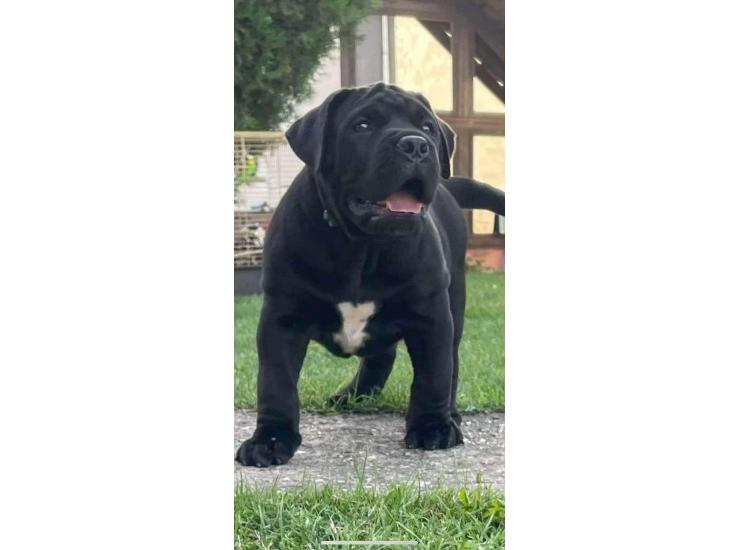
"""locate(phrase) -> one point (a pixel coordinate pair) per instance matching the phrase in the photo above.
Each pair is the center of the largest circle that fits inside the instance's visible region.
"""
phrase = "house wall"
(287, 164)
(326, 80)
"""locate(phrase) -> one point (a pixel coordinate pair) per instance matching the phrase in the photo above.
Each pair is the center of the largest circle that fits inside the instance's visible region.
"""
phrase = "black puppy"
(366, 248)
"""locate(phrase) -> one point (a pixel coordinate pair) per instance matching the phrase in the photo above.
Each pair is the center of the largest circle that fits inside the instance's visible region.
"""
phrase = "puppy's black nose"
(415, 148)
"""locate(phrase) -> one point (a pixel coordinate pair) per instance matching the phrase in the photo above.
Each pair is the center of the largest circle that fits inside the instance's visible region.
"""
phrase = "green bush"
(278, 45)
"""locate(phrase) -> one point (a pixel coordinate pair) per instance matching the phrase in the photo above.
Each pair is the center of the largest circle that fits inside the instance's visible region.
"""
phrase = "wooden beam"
(489, 58)
(463, 156)
(489, 72)
(258, 135)
(421, 9)
(490, 30)
(437, 30)
(481, 123)
(462, 66)
(486, 241)
(491, 82)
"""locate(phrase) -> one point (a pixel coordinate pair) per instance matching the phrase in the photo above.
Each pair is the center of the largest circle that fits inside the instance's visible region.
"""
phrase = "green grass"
(481, 385)
(439, 518)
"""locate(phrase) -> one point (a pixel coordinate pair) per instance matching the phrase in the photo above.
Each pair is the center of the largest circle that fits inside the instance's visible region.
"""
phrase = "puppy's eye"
(426, 127)
(362, 125)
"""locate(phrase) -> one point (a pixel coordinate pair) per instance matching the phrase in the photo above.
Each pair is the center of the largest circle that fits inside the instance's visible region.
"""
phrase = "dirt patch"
(343, 448)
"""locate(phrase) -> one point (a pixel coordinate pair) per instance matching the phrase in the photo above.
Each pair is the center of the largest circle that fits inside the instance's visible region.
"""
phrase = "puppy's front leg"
(428, 421)
(281, 346)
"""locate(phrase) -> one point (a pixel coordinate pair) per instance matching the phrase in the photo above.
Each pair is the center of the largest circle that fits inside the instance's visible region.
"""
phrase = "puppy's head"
(377, 154)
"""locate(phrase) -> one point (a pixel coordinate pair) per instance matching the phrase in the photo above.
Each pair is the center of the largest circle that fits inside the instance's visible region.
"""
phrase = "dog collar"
(329, 219)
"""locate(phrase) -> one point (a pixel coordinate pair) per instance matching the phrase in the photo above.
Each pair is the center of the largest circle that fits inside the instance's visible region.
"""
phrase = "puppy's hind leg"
(457, 306)
(369, 379)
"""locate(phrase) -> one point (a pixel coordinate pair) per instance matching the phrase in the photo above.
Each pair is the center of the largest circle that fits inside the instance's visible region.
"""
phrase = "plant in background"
(278, 46)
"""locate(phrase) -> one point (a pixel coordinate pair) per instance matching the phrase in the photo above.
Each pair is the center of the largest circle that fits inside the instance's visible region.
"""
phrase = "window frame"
(465, 122)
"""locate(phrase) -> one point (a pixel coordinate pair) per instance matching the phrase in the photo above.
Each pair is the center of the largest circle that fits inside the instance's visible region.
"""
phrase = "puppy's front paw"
(434, 435)
(266, 448)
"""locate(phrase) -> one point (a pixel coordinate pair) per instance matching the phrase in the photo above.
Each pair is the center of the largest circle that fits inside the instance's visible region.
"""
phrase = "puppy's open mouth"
(400, 202)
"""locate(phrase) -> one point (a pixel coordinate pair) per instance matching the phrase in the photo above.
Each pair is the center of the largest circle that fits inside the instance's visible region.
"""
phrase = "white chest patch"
(351, 335)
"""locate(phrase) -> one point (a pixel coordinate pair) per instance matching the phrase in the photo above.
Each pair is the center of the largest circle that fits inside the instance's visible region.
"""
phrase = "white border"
(116, 362)
(622, 275)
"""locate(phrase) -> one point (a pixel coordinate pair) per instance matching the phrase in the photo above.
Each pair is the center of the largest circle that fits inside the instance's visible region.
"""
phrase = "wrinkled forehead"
(384, 102)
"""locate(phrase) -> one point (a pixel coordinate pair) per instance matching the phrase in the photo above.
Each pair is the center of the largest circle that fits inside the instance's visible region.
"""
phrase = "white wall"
(326, 80)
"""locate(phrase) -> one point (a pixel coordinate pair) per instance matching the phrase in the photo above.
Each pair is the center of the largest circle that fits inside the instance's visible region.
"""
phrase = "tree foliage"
(278, 45)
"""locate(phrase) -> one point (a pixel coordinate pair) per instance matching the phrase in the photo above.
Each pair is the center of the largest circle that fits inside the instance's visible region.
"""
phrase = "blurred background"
(290, 55)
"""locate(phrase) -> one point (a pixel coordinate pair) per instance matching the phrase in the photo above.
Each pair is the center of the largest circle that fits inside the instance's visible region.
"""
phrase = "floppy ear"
(448, 147)
(309, 135)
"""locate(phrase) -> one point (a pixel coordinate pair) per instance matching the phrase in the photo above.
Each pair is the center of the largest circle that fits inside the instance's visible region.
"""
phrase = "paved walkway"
(337, 447)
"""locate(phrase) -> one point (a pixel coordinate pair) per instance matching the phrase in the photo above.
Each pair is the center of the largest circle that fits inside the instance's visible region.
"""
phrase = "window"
(488, 166)
(488, 82)
(454, 56)
(421, 59)
(484, 101)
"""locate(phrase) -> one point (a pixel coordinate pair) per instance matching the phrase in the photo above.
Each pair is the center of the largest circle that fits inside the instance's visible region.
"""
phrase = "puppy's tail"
(473, 194)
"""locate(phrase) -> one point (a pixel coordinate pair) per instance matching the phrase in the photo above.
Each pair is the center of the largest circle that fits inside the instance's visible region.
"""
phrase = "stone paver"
(338, 448)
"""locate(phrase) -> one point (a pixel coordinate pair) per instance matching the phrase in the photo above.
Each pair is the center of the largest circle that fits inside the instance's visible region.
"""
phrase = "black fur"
(411, 267)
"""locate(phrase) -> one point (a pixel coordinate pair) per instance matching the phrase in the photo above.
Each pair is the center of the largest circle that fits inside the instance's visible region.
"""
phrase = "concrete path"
(336, 448)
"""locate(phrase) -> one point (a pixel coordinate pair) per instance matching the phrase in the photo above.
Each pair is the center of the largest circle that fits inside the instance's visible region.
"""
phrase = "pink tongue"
(402, 202)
